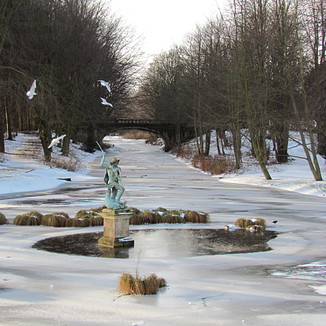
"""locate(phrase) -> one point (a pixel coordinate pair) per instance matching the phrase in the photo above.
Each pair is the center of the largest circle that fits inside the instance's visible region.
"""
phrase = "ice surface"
(42, 288)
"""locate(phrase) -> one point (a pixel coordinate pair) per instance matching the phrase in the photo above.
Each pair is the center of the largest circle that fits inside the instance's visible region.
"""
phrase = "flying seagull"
(106, 84)
(31, 92)
(56, 141)
(105, 102)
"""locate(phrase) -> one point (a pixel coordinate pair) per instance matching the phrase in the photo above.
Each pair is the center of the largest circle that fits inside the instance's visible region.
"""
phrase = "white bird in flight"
(105, 102)
(105, 84)
(31, 91)
(56, 141)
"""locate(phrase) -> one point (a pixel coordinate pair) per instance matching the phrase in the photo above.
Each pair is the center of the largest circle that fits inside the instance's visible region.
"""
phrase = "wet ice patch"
(314, 271)
(320, 289)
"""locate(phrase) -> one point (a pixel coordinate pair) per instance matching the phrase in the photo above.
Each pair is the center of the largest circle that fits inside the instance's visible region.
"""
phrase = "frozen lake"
(261, 288)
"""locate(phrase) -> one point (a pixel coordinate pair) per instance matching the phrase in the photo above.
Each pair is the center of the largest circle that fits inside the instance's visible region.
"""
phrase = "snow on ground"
(20, 174)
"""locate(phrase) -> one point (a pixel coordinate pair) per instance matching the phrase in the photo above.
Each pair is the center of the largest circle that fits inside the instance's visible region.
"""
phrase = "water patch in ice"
(163, 243)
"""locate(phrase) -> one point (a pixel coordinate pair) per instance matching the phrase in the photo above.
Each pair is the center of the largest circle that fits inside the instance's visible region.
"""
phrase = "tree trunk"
(281, 144)
(217, 142)
(311, 154)
(236, 135)
(65, 145)
(321, 139)
(2, 129)
(259, 149)
(264, 170)
(8, 122)
(207, 142)
(45, 136)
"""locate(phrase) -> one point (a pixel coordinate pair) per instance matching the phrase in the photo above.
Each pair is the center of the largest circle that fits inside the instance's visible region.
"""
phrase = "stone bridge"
(171, 133)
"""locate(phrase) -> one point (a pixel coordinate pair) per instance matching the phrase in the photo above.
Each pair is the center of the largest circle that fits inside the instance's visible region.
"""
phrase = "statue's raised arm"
(103, 164)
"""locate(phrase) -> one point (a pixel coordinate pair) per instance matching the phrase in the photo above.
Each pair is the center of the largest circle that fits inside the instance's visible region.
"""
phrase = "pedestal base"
(116, 229)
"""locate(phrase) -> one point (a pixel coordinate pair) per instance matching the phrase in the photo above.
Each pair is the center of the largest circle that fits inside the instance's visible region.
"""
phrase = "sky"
(164, 23)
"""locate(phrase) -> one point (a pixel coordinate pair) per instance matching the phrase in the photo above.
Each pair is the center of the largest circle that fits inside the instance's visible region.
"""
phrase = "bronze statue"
(112, 180)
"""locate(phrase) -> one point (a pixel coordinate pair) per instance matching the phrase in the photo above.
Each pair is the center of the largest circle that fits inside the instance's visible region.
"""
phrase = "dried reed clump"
(254, 224)
(196, 217)
(135, 134)
(55, 219)
(184, 152)
(260, 221)
(163, 215)
(172, 219)
(96, 221)
(145, 217)
(87, 213)
(31, 218)
(69, 163)
(213, 164)
(243, 222)
(85, 218)
(3, 219)
(133, 210)
(77, 223)
(129, 284)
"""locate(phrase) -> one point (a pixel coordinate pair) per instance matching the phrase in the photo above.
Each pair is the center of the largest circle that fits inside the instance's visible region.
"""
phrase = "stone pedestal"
(116, 229)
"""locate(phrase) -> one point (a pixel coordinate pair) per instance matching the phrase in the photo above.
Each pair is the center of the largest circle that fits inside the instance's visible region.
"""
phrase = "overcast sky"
(163, 23)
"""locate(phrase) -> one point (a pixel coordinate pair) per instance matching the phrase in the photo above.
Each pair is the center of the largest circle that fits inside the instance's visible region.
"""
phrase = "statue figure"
(112, 180)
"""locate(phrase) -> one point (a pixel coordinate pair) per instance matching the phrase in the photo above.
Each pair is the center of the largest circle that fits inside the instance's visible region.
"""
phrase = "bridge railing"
(140, 122)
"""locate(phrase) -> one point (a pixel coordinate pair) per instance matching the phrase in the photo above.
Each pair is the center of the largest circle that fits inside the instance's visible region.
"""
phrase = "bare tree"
(314, 22)
(66, 45)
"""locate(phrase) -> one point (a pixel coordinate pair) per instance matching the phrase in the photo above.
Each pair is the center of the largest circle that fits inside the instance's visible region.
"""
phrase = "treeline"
(66, 46)
(260, 66)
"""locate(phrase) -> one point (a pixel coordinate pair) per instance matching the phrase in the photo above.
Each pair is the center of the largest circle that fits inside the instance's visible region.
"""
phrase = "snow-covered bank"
(292, 176)
(21, 173)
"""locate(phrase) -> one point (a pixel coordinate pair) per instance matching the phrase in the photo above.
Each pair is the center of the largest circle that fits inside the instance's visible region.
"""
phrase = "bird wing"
(31, 91)
(52, 143)
(33, 87)
(105, 102)
(108, 87)
(56, 140)
(61, 137)
(106, 84)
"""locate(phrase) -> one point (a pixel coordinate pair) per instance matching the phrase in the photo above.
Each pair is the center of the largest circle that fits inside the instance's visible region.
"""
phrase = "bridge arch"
(171, 133)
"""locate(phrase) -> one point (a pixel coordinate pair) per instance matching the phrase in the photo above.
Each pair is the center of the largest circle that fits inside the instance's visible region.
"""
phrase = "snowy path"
(41, 288)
